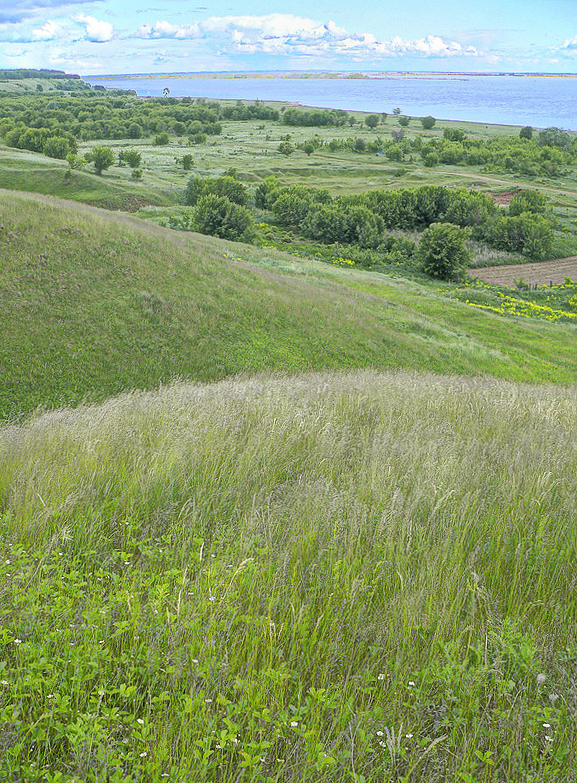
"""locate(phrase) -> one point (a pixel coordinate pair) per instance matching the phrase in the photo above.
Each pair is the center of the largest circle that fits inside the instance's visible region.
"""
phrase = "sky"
(92, 37)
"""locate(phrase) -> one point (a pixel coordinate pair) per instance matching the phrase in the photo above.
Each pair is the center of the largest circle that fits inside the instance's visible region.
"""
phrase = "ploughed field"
(538, 273)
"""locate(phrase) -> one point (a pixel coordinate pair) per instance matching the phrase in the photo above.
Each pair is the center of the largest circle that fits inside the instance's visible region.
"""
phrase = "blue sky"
(163, 36)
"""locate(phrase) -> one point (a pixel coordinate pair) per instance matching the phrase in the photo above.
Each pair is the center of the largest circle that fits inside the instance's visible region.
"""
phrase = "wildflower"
(411, 684)
(548, 738)
(141, 721)
(143, 754)
(4, 682)
(17, 641)
(208, 701)
(381, 677)
(294, 723)
(379, 733)
(195, 660)
(383, 744)
(409, 736)
(541, 679)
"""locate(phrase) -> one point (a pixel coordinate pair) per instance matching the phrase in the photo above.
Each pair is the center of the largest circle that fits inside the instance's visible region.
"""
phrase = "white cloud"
(48, 32)
(96, 30)
(284, 34)
(167, 30)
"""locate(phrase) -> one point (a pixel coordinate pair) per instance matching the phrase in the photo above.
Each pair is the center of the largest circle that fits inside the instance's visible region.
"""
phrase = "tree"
(102, 158)
(404, 121)
(396, 112)
(372, 121)
(309, 147)
(428, 122)
(554, 137)
(166, 92)
(526, 132)
(442, 252)
(161, 139)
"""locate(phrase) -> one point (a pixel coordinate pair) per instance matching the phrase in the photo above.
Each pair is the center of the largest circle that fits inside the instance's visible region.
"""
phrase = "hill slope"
(265, 571)
(93, 303)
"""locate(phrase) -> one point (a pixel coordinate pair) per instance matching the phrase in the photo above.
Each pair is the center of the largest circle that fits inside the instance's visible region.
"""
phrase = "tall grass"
(362, 577)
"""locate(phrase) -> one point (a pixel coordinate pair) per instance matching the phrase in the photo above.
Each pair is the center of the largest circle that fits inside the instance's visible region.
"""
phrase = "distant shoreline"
(375, 75)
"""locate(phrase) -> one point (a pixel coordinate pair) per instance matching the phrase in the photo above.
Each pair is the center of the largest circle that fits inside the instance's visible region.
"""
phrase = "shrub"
(528, 201)
(454, 134)
(132, 157)
(442, 252)
(161, 139)
(526, 233)
(372, 121)
(263, 193)
(404, 121)
(286, 148)
(428, 122)
(219, 186)
(56, 147)
(218, 216)
(526, 132)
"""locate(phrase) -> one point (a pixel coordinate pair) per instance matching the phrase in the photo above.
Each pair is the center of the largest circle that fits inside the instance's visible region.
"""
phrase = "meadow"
(278, 510)
(352, 577)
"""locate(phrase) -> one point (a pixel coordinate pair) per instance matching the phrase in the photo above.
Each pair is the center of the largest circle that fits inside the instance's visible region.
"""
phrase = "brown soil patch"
(539, 273)
(503, 199)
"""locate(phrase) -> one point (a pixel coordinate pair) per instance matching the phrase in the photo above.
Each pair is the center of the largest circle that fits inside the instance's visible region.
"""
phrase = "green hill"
(236, 582)
(94, 303)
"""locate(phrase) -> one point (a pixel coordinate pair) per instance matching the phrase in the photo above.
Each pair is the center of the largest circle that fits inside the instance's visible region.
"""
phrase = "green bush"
(56, 147)
(218, 216)
(132, 157)
(219, 186)
(528, 201)
(428, 122)
(161, 139)
(442, 252)
(263, 194)
(526, 233)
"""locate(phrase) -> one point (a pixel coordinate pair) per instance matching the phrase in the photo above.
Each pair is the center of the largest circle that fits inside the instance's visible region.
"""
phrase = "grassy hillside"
(361, 577)
(93, 304)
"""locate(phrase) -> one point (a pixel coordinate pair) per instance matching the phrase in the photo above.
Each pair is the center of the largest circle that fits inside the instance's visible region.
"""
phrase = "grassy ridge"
(93, 304)
(363, 577)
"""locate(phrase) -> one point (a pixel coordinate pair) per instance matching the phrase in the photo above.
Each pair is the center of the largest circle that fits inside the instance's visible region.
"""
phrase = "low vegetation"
(335, 577)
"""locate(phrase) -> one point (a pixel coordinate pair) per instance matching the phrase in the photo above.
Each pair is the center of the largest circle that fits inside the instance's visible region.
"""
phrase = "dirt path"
(539, 273)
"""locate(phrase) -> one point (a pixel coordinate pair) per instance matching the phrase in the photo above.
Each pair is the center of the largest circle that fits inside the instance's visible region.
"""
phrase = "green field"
(278, 511)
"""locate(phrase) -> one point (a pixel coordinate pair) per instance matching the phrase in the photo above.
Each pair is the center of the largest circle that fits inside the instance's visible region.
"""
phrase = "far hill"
(94, 303)
(36, 73)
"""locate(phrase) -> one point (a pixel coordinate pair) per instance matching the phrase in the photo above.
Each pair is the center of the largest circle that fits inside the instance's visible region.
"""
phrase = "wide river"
(540, 101)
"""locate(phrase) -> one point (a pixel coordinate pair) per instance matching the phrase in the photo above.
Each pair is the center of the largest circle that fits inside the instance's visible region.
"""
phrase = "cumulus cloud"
(570, 44)
(48, 32)
(96, 31)
(284, 34)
